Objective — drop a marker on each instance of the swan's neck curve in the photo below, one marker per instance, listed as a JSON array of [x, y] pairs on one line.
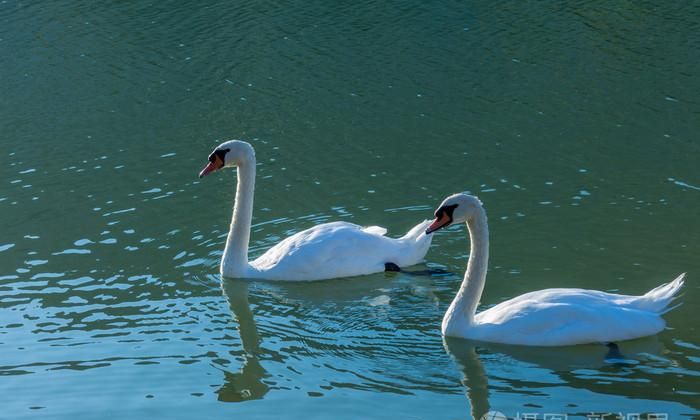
[[461, 312], [234, 262]]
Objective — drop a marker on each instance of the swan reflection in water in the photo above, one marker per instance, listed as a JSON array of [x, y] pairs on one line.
[[491, 374], [472, 358], [247, 383]]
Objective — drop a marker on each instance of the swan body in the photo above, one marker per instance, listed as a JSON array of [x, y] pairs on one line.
[[329, 250], [553, 317], [341, 249], [550, 317]]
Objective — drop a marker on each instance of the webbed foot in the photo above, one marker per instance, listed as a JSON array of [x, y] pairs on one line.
[[391, 267]]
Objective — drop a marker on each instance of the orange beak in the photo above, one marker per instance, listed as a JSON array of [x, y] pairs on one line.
[[439, 223], [211, 167]]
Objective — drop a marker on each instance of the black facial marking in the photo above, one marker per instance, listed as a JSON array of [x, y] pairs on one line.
[[220, 153], [449, 210]]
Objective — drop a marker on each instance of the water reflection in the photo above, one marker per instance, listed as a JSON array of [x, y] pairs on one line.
[[327, 330], [473, 374], [539, 370], [247, 383], [378, 334]]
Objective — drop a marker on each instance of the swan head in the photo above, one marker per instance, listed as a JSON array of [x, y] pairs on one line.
[[457, 208], [227, 154]]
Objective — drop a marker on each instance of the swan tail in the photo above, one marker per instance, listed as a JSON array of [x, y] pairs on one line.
[[659, 299], [417, 232]]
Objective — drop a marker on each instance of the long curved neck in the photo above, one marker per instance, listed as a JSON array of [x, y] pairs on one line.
[[234, 262], [463, 307]]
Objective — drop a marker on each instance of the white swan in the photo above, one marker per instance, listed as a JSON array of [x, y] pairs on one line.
[[325, 251], [550, 317]]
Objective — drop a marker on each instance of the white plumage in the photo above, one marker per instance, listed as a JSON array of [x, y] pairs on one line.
[[339, 249], [550, 317], [325, 251]]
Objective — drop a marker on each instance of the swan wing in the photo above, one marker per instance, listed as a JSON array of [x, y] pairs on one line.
[[555, 317], [330, 250]]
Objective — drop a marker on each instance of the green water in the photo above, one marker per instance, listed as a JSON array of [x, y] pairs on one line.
[[575, 122]]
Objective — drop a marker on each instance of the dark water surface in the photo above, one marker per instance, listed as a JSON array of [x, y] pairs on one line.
[[575, 122]]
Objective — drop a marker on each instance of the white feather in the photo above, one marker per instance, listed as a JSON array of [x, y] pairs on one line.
[[325, 251], [337, 249], [550, 317]]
